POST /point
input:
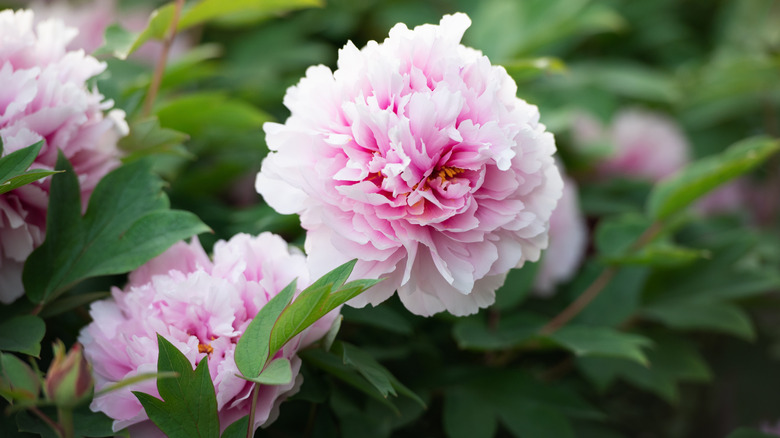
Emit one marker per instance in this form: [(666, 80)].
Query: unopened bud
[(69, 379)]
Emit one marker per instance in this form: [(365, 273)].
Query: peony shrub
[(45, 97), (202, 307), (416, 157)]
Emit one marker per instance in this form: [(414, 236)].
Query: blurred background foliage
[(685, 347)]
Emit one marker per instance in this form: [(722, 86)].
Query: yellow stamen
[(205, 348)]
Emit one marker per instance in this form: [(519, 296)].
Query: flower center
[(446, 172), (205, 348)]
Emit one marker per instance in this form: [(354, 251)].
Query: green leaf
[(195, 113), (207, 10), (70, 302), (472, 333), (616, 235), (118, 42), (13, 168), (22, 334), (252, 349), (661, 254), (278, 372), (335, 366), (680, 190), (463, 418), (18, 382), (330, 337), (315, 302), (672, 360), (127, 223), (382, 317), (296, 316), (517, 286), (157, 28), (369, 368), (127, 381), (189, 404), (601, 341), (702, 315), (237, 429), (147, 138), (526, 69), (533, 421), (744, 432)]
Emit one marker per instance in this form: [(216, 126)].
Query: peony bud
[(69, 379)]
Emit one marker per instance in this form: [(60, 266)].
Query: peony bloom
[(568, 241), (644, 144), (202, 308), (44, 97), (416, 157), (94, 17)]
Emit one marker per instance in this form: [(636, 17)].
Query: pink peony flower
[(416, 157), (44, 97), (201, 307), (94, 17), (645, 144), (568, 241)]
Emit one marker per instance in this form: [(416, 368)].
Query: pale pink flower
[(415, 157), (202, 308), (644, 144), (44, 97), (92, 18), (568, 241)]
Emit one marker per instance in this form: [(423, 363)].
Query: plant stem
[(159, 69), (65, 417), (47, 420), (597, 286), (250, 430)]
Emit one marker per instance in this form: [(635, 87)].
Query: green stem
[(159, 69), (597, 286), (250, 428), (65, 417), (47, 420)]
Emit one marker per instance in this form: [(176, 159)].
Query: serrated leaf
[(702, 315), (278, 372), (680, 190), (252, 349), (18, 382), (601, 341), (127, 223), (189, 403), (22, 334)]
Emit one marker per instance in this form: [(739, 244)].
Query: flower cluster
[(44, 97), (416, 157), (202, 308)]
